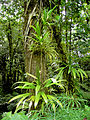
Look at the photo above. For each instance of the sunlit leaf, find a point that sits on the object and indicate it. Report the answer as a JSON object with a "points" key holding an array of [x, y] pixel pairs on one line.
{"points": [[59, 103], [20, 101], [42, 107], [37, 89], [44, 97], [53, 106], [37, 98], [30, 104], [19, 96], [32, 76]]}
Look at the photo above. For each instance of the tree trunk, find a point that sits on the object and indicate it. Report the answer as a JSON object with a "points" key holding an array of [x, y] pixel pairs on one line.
{"points": [[4, 73], [33, 60], [9, 36]]}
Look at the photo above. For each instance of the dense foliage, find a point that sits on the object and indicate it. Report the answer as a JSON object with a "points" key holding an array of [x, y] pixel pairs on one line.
{"points": [[64, 114], [44, 50]]}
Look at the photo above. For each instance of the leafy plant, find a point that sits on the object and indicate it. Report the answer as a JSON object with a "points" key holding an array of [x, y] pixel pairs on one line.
{"points": [[71, 101], [16, 116], [47, 16], [60, 114], [67, 114], [35, 115], [87, 108], [74, 73], [74, 70], [41, 93], [42, 43]]}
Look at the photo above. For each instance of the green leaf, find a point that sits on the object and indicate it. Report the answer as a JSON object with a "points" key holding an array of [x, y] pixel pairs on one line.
{"points": [[48, 85], [20, 101], [53, 106], [45, 36], [77, 73], [8, 116], [69, 69], [37, 98], [50, 11], [38, 29], [22, 87], [19, 96], [44, 97], [74, 73], [69, 103], [29, 86], [44, 16], [60, 68], [33, 40], [38, 37], [32, 98], [30, 104], [48, 81], [59, 103], [34, 28], [31, 75], [26, 83], [19, 116], [83, 72], [59, 75], [18, 109], [42, 107], [50, 97], [54, 99], [37, 89]]}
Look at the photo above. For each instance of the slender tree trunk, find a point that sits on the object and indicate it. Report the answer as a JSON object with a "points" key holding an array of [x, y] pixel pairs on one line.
{"points": [[9, 36], [4, 73], [14, 72], [70, 81], [66, 25], [10, 49]]}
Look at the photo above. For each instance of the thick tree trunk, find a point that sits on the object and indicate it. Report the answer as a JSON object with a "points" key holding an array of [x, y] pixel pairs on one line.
{"points": [[33, 60]]}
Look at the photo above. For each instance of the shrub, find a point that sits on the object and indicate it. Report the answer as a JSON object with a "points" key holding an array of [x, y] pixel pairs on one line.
{"points": [[16, 116]]}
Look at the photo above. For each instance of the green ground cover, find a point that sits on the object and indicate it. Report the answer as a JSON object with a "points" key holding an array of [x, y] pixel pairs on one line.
{"points": [[64, 114]]}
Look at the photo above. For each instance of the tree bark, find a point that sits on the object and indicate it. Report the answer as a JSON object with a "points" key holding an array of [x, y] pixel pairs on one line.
{"points": [[9, 36], [32, 60]]}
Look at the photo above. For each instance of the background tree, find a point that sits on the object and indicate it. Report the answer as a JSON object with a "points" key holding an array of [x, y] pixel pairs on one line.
{"points": [[11, 44]]}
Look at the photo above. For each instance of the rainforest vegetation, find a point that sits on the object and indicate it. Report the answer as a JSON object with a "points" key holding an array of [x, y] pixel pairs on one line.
{"points": [[44, 60]]}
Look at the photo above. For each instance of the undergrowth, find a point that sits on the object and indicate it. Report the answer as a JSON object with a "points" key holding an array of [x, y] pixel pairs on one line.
{"points": [[59, 114]]}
